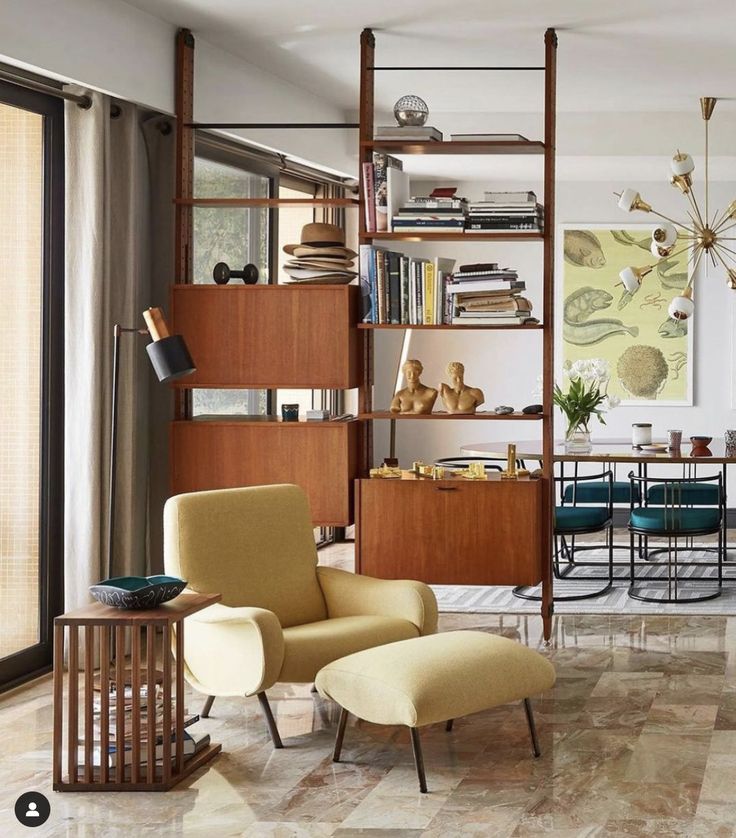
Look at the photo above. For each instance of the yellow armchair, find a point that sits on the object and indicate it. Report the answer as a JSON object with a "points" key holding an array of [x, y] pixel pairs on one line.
{"points": [[281, 618]]}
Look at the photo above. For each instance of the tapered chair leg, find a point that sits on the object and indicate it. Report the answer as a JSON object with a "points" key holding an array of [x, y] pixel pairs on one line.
{"points": [[448, 725], [272, 729], [210, 700], [340, 734], [532, 727], [416, 747]]}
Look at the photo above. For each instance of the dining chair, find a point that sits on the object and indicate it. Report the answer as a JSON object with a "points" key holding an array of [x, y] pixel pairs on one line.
{"points": [[675, 509], [576, 516]]}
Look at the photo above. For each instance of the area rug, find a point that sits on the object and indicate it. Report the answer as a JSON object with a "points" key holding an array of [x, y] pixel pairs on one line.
{"points": [[501, 600]]}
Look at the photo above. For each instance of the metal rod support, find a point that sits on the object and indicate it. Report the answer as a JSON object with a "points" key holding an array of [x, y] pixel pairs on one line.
{"points": [[340, 734], [502, 69], [285, 125], [270, 722], [532, 727], [416, 747]]}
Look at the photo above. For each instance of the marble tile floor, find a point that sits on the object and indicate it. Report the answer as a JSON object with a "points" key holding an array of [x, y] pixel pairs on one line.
{"points": [[638, 739]]}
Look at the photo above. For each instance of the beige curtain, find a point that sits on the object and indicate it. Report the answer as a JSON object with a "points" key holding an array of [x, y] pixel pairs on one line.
{"points": [[113, 180]]}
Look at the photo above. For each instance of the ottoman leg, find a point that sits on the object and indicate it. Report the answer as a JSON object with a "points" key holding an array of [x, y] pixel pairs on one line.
{"points": [[416, 746], [448, 725], [532, 727], [340, 734], [270, 721]]}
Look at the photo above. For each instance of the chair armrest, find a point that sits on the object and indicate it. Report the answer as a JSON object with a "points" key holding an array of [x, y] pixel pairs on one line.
{"points": [[233, 651], [351, 595]]}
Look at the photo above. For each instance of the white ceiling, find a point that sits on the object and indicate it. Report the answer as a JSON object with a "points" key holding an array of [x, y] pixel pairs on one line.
{"points": [[630, 55]]}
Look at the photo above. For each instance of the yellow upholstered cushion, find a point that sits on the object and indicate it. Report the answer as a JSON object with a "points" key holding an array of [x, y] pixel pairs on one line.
{"points": [[433, 678], [309, 647], [255, 546]]}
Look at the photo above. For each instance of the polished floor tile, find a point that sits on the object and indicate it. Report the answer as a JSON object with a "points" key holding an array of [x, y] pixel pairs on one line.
{"points": [[638, 738]]}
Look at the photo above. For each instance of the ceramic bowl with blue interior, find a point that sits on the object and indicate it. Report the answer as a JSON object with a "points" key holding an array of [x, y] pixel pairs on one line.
{"points": [[137, 591]]}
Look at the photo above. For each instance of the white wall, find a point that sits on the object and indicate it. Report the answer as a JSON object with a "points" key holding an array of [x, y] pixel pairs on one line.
{"points": [[121, 50]]}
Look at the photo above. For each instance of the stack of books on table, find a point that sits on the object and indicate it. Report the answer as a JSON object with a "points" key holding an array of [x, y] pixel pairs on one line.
{"points": [[193, 742], [407, 133], [403, 289], [426, 214], [486, 295], [507, 211]]}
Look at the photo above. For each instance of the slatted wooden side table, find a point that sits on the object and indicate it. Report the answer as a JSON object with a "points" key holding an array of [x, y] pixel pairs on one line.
{"points": [[103, 627]]}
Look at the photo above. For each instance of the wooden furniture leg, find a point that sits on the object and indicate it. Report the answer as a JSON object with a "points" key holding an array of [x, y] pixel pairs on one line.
{"points": [[340, 734], [272, 729], [416, 747], [532, 727]]}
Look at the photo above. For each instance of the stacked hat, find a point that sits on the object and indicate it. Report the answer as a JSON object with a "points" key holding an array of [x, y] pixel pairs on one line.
{"points": [[321, 257]]}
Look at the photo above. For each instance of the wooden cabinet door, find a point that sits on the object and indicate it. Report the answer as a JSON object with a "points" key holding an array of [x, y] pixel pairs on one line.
{"points": [[451, 532]]}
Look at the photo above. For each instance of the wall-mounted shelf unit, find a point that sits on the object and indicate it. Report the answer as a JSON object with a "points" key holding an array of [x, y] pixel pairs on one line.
{"points": [[460, 532]]}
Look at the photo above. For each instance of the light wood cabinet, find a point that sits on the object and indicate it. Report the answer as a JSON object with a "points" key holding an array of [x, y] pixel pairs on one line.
{"points": [[451, 532]]}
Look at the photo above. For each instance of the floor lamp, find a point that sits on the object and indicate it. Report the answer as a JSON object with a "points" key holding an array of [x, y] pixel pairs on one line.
{"points": [[170, 359]]}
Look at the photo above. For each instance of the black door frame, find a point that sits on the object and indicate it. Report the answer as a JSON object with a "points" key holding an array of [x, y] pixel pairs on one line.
{"points": [[38, 659]]}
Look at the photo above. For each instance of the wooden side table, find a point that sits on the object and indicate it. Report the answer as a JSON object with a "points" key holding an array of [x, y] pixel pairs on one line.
{"points": [[102, 627]]}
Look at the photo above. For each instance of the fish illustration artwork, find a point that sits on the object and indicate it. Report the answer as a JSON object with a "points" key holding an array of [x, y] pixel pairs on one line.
{"points": [[595, 331], [622, 237], [579, 306], [582, 303], [671, 280], [673, 328], [583, 249]]}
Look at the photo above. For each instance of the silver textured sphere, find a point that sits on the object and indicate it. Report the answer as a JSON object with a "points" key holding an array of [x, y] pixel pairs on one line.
{"points": [[411, 110]]}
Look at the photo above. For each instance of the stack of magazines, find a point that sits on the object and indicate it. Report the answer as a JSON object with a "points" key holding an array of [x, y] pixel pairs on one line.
{"points": [[484, 294], [426, 214], [507, 211]]}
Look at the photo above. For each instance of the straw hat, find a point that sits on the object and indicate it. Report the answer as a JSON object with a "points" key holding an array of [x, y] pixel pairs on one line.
{"points": [[319, 239]]}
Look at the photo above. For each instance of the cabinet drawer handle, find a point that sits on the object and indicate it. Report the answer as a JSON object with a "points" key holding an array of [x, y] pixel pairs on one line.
{"points": [[446, 488]]}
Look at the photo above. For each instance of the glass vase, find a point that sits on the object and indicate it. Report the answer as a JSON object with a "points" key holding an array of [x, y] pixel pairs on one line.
{"points": [[577, 440]]}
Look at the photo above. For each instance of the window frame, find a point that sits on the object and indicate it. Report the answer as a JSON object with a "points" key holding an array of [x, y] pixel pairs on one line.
{"points": [[37, 659]]}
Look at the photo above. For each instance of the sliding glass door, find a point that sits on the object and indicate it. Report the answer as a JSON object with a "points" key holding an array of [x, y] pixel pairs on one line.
{"points": [[31, 370]]}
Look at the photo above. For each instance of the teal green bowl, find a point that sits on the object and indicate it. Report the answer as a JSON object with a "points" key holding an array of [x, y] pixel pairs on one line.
{"points": [[136, 592]]}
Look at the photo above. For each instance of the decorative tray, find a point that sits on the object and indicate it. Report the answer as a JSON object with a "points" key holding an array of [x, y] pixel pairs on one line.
{"points": [[132, 592]]}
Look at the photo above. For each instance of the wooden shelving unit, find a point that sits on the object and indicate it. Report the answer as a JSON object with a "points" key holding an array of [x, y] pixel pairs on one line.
{"points": [[500, 547], [260, 337], [453, 417], [454, 326]]}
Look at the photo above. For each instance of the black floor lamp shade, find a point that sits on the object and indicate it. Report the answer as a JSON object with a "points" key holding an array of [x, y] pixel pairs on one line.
{"points": [[170, 358]]}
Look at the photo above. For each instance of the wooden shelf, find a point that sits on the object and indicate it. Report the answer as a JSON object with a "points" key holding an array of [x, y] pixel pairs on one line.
{"points": [[457, 417], [469, 327], [502, 236], [455, 147], [230, 419], [267, 202]]}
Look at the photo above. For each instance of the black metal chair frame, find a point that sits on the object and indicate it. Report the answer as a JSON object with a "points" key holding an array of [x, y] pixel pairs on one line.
{"points": [[673, 579], [521, 591]]}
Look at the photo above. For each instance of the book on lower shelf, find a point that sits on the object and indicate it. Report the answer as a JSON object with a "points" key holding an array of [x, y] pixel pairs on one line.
{"points": [[399, 289], [486, 295], [407, 133], [192, 743]]}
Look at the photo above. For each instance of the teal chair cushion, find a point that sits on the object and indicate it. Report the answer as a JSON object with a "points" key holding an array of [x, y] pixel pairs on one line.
{"points": [[675, 520], [579, 518], [597, 492], [688, 494]]}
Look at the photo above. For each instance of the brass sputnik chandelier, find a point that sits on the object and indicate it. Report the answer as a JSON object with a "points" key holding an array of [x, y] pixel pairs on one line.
{"points": [[703, 233]]}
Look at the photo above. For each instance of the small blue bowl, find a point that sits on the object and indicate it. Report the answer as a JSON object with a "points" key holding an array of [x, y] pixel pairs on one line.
{"points": [[136, 592]]}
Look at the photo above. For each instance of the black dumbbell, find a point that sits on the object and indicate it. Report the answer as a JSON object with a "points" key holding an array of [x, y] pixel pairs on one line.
{"points": [[222, 273]]}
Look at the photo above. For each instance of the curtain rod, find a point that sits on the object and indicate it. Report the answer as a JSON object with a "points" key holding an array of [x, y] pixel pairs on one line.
{"points": [[81, 100]]}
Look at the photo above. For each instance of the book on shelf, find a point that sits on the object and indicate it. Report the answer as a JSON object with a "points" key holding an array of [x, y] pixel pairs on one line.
{"points": [[397, 192], [192, 743], [399, 289], [486, 285], [431, 202], [408, 133], [430, 215], [517, 197], [478, 320], [508, 227], [369, 198], [381, 164], [490, 138], [506, 302]]}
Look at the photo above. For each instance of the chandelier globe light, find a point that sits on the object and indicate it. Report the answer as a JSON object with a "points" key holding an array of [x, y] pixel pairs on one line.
{"points": [[702, 233]]}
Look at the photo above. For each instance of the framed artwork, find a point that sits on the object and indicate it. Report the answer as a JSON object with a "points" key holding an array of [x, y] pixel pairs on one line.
{"points": [[651, 355]]}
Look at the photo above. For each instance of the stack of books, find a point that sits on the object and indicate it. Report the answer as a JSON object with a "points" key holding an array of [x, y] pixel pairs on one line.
{"points": [[403, 289], [508, 211], [408, 133], [426, 214], [192, 741], [484, 295]]}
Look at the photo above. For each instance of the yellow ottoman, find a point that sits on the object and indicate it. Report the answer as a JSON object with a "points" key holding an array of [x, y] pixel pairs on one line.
{"points": [[432, 679]]}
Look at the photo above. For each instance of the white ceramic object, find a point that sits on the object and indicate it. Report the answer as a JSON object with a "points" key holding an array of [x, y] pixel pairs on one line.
{"points": [[631, 279], [682, 164], [664, 234], [681, 308]]}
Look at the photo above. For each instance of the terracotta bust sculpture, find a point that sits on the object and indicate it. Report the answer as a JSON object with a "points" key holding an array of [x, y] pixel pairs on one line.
{"points": [[457, 396], [415, 397]]}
